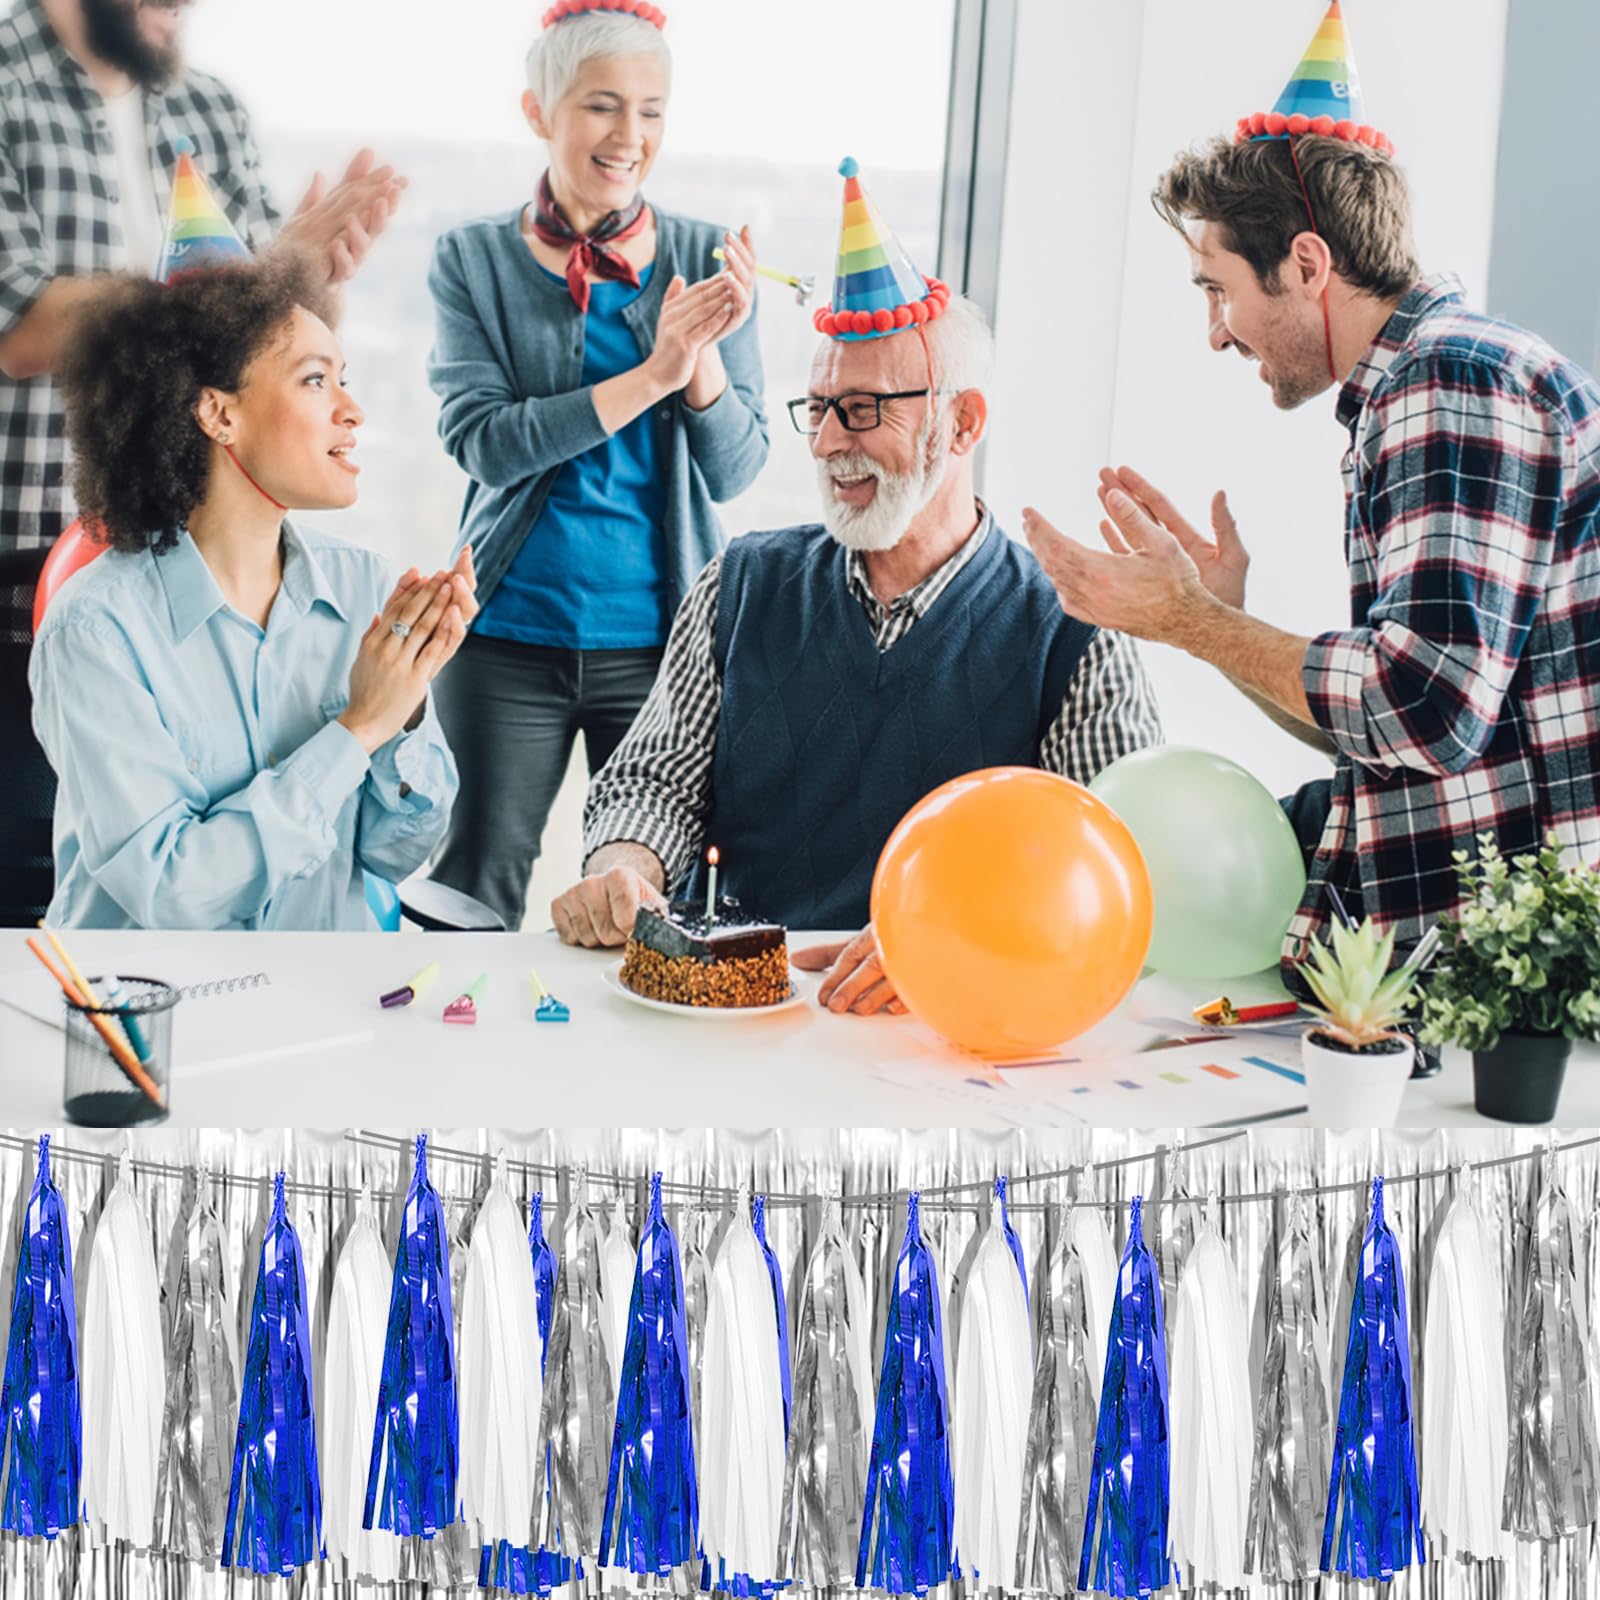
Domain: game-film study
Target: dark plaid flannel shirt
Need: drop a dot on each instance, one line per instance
(59, 216)
(1464, 698)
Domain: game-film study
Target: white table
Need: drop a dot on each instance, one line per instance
(614, 1064)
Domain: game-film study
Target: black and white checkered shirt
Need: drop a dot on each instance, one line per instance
(60, 215)
(656, 788)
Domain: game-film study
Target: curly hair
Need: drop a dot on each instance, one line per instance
(131, 376)
(1362, 206)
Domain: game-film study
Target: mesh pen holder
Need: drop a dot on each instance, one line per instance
(101, 1090)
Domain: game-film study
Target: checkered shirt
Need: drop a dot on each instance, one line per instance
(656, 788)
(1464, 698)
(59, 216)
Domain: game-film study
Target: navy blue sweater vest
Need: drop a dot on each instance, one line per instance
(824, 743)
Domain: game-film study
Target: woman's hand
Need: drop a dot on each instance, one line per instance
(739, 268)
(690, 320)
(401, 653)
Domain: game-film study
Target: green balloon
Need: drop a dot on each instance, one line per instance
(1226, 870)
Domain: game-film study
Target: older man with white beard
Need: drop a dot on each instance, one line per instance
(819, 681)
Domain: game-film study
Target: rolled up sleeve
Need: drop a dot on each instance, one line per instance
(1464, 511)
(26, 268)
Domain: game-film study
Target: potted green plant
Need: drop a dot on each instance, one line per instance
(1356, 1059)
(1518, 978)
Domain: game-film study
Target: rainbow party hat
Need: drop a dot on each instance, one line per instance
(199, 235)
(876, 290)
(1322, 97)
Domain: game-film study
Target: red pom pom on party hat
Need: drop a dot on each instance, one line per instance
(562, 10)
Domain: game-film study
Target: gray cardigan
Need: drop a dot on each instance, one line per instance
(507, 365)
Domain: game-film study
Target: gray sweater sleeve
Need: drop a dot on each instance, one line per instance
(494, 434)
(729, 439)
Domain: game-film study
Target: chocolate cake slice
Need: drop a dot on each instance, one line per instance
(673, 956)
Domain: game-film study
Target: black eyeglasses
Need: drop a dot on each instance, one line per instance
(857, 413)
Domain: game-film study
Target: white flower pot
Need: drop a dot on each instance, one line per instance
(1353, 1091)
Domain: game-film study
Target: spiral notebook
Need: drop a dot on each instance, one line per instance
(223, 1020)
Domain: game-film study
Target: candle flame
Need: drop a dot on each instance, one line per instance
(712, 857)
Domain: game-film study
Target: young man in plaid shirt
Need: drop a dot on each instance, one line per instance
(94, 97)
(1461, 697)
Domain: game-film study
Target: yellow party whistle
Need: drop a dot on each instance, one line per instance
(803, 288)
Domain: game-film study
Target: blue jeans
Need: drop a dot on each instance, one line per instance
(511, 713)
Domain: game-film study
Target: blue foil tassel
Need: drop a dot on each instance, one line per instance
(274, 1495)
(1131, 1472)
(907, 1528)
(1013, 1243)
(41, 1450)
(544, 1275)
(1373, 1523)
(520, 1569)
(650, 1490)
(411, 1480)
(758, 1216)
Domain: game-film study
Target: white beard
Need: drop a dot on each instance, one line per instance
(880, 524)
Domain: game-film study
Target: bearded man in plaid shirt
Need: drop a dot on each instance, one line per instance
(1461, 696)
(94, 97)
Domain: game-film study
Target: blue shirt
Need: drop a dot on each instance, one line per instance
(592, 573)
(204, 781)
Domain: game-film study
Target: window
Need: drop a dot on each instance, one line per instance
(767, 98)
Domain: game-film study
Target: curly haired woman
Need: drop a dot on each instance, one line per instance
(237, 708)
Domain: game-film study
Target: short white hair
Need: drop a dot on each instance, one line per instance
(962, 346)
(560, 52)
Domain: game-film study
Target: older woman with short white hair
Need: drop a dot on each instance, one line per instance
(600, 384)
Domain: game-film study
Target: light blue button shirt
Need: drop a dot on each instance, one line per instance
(204, 781)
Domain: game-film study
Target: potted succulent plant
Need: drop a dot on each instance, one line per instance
(1518, 978)
(1357, 1059)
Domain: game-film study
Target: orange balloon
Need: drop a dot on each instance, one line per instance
(75, 548)
(1013, 910)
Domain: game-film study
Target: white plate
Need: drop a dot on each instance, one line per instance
(707, 1013)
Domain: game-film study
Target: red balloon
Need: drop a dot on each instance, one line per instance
(1013, 910)
(75, 548)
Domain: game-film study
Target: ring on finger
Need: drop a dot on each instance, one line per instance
(401, 630)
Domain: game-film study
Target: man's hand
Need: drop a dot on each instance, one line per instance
(339, 224)
(600, 908)
(1147, 585)
(855, 980)
(1222, 562)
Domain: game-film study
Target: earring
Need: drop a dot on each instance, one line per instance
(222, 438)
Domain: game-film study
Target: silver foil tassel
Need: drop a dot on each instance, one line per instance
(1552, 1470)
(579, 1406)
(1175, 1222)
(1061, 1426)
(1294, 1436)
(202, 1391)
(824, 1481)
(696, 1300)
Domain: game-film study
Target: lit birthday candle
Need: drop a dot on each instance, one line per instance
(711, 887)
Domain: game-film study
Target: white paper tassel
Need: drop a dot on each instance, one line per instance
(1091, 1239)
(741, 1454)
(1464, 1427)
(616, 1286)
(121, 1365)
(498, 1359)
(994, 1377)
(830, 1429)
(1212, 1429)
(358, 1314)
